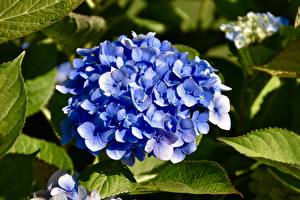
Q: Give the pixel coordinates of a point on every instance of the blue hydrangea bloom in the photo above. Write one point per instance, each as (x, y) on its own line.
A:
(66, 186)
(141, 95)
(254, 27)
(62, 185)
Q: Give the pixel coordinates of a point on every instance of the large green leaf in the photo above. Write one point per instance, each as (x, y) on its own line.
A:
(47, 151)
(39, 91)
(286, 179)
(273, 146)
(280, 108)
(15, 176)
(265, 187)
(39, 72)
(75, 31)
(12, 103)
(286, 63)
(21, 17)
(146, 169)
(109, 178)
(194, 177)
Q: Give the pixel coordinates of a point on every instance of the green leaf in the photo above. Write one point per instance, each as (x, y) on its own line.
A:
(266, 187)
(280, 108)
(47, 151)
(75, 31)
(15, 176)
(273, 146)
(12, 103)
(183, 48)
(146, 169)
(272, 84)
(19, 18)
(255, 55)
(39, 91)
(286, 63)
(109, 178)
(39, 72)
(286, 179)
(193, 177)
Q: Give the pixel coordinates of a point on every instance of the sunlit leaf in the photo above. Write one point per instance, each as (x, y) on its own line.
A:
(12, 103)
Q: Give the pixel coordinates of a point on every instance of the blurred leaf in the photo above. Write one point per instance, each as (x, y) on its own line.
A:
(231, 9)
(193, 177)
(19, 18)
(297, 20)
(286, 63)
(75, 31)
(183, 48)
(272, 84)
(206, 13)
(110, 178)
(263, 186)
(286, 179)
(280, 107)
(222, 51)
(12, 102)
(256, 55)
(15, 176)
(169, 17)
(39, 91)
(273, 146)
(149, 24)
(39, 72)
(47, 151)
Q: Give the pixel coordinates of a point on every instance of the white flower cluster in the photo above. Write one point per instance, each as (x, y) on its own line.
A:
(254, 27)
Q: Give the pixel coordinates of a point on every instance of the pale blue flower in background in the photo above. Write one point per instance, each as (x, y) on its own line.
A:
(252, 28)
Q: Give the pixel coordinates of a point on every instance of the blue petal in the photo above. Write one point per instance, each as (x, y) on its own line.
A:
(186, 124)
(86, 130)
(136, 54)
(66, 182)
(189, 148)
(150, 145)
(87, 105)
(177, 68)
(139, 153)
(66, 128)
(77, 63)
(188, 135)
(177, 156)
(119, 135)
(137, 132)
(163, 151)
(128, 159)
(121, 115)
(62, 89)
(95, 144)
(115, 153)
(83, 52)
(106, 83)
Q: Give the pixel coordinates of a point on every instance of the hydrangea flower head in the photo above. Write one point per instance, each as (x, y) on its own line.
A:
(141, 95)
(254, 27)
(63, 186)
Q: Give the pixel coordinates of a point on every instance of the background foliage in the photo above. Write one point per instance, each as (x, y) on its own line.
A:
(258, 158)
